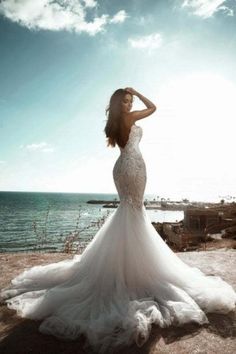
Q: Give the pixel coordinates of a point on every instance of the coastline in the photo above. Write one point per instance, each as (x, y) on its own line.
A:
(165, 205)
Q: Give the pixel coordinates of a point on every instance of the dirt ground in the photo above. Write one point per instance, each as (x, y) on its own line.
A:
(20, 336)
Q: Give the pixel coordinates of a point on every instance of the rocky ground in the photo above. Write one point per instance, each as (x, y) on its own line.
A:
(20, 336)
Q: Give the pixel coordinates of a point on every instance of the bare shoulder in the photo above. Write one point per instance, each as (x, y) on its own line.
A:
(133, 116)
(128, 120)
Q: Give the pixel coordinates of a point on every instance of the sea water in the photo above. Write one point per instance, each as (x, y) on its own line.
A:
(32, 221)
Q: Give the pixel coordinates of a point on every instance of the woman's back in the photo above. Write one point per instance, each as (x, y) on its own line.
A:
(129, 171)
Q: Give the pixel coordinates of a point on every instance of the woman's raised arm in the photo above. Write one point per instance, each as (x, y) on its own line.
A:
(136, 115)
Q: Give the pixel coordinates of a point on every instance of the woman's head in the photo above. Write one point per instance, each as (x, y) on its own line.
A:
(120, 103)
(126, 103)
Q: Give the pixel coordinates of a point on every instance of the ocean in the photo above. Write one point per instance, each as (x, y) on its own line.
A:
(40, 221)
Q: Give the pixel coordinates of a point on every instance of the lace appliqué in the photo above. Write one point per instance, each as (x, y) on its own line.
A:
(129, 171)
(134, 204)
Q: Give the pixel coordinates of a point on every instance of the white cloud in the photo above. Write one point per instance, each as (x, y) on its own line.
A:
(207, 8)
(227, 10)
(44, 147)
(2, 161)
(151, 41)
(58, 15)
(90, 3)
(119, 17)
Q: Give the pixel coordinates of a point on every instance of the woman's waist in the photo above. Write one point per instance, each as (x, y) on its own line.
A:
(134, 152)
(131, 160)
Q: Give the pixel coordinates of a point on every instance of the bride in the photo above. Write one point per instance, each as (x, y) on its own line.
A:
(127, 278)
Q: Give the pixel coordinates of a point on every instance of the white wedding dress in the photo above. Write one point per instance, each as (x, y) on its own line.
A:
(126, 279)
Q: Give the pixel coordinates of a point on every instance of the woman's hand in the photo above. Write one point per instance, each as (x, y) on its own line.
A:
(131, 90)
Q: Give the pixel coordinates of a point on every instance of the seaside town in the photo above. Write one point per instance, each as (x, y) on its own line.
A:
(205, 226)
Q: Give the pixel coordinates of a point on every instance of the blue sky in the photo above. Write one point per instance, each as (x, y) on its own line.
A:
(60, 62)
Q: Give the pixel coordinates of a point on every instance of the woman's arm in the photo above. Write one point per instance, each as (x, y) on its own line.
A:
(136, 115)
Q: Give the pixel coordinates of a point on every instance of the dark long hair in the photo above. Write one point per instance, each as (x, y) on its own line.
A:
(113, 125)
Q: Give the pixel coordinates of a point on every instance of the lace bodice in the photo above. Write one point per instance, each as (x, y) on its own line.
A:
(129, 171)
(135, 136)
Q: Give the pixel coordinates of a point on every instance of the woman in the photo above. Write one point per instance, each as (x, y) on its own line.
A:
(127, 278)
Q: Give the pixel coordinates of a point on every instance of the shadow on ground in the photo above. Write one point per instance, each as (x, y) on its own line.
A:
(20, 336)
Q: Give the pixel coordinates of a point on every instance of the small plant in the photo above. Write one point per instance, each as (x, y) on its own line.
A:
(41, 235)
(73, 242)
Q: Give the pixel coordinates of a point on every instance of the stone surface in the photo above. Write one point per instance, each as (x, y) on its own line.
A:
(20, 336)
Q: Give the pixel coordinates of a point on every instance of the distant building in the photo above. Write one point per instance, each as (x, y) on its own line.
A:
(197, 220)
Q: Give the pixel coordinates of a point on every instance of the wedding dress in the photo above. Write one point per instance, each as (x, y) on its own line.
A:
(126, 279)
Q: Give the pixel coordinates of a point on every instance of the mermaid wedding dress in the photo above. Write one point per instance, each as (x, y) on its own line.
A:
(126, 279)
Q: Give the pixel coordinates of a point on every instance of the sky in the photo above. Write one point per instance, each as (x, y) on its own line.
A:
(60, 61)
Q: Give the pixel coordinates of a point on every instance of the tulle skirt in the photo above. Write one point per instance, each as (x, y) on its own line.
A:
(126, 280)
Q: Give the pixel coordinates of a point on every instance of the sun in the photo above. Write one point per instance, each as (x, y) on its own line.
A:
(204, 101)
(192, 140)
